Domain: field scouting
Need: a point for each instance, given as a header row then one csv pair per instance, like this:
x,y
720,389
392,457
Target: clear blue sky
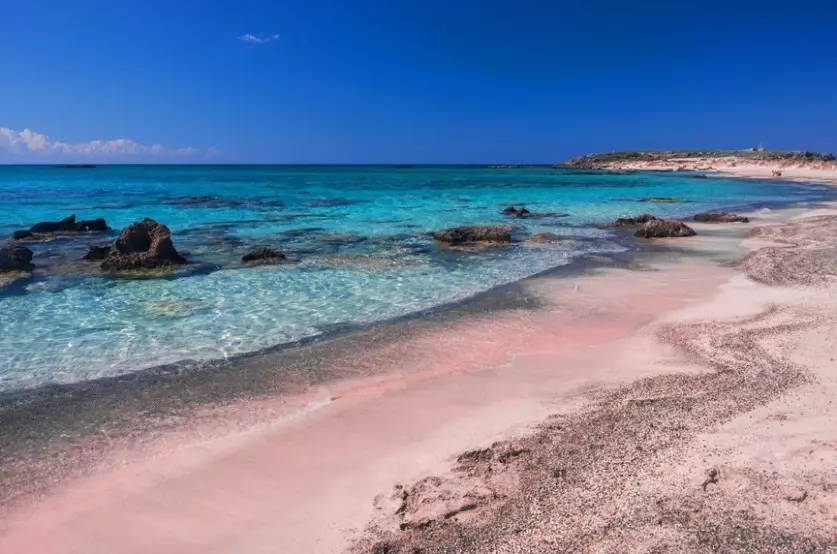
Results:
x,y
411,80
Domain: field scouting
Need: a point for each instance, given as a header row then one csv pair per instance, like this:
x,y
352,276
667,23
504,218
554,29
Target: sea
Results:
x,y
358,241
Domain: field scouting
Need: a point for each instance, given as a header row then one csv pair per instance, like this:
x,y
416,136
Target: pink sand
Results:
x,y
308,484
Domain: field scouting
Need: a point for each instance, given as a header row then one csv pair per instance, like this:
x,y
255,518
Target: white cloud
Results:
x,y
258,39
28,143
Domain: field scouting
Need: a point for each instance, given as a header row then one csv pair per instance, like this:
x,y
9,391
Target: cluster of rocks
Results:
x,y
147,244
143,245
67,226
653,227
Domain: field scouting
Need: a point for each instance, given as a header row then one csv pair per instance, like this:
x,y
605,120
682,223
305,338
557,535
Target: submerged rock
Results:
x,y
486,234
661,200
544,237
95,253
721,217
145,244
661,228
23,235
262,255
192,200
362,261
629,221
175,307
16,258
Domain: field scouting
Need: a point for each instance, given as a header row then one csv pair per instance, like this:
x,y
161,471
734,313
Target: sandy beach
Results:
x,y
739,167
675,404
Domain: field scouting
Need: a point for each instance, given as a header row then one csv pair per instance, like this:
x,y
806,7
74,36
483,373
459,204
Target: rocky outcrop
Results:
x,y
631,221
662,228
15,258
96,253
721,217
145,244
479,234
68,225
262,255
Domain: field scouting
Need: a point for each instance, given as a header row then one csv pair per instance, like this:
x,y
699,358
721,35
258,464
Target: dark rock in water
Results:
x,y
544,214
145,244
699,176
338,239
630,221
16,258
661,200
721,217
69,225
495,234
23,235
95,253
66,225
262,255
93,226
661,228
511,211
194,201
329,202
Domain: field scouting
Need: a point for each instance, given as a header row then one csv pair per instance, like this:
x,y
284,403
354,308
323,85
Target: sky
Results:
x,y
409,81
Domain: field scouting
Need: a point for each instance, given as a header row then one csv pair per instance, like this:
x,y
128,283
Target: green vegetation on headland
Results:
x,y
603,159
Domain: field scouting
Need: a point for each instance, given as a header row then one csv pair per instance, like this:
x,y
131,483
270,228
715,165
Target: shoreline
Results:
x,y
820,173
160,399
366,399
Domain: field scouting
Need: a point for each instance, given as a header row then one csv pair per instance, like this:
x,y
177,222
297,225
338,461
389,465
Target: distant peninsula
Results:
x,y
752,162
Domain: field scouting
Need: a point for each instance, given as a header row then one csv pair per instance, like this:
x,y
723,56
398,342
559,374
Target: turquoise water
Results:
x,y
357,239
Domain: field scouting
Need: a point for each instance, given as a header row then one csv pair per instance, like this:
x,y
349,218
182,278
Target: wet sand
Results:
x,y
647,380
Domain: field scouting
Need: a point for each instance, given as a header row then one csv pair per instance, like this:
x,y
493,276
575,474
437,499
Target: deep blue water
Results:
x,y
358,240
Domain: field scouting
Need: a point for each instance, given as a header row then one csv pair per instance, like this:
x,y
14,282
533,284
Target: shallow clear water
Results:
x,y
358,240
